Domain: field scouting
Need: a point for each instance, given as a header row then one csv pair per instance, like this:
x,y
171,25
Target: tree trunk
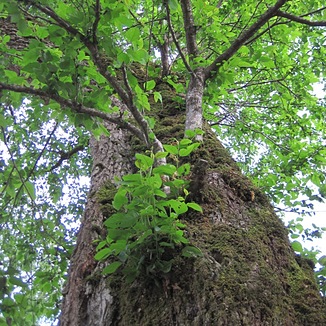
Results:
x,y
87,299
248,274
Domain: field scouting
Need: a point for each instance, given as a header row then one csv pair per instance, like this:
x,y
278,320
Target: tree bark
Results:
x,y
194,98
87,301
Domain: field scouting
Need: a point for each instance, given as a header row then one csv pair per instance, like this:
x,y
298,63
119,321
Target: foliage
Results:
x,y
65,63
38,219
145,233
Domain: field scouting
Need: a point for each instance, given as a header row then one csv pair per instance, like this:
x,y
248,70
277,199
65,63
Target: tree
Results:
x,y
172,233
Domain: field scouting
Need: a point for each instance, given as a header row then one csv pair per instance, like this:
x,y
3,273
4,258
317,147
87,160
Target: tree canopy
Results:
x,y
69,66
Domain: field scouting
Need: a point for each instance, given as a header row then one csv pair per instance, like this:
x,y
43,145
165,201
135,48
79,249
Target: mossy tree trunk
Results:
x,y
248,275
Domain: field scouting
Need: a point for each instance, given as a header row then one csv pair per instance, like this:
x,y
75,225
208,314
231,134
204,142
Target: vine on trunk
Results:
x,y
145,232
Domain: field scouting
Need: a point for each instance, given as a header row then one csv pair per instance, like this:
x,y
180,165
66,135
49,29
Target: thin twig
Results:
x,y
168,18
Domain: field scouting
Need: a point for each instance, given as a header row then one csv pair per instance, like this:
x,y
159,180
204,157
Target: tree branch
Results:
x,y
66,156
97,19
20,175
61,22
190,28
168,17
243,37
101,64
42,151
300,20
77,107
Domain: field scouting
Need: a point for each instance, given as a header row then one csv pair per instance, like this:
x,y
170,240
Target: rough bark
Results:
x,y
86,302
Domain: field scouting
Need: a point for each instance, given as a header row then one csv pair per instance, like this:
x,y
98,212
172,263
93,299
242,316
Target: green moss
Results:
x,y
104,196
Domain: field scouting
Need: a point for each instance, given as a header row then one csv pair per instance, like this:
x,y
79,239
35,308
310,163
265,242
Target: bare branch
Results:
x,y
42,151
243,37
255,83
190,28
66,156
300,20
97,19
168,17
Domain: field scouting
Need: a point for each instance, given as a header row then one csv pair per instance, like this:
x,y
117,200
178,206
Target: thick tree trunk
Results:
x,y
87,299
248,274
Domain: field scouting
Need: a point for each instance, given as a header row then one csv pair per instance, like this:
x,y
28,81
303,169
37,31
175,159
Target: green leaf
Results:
x,y
322,260
102,254
140,56
122,220
30,189
133,34
173,4
157,97
17,281
297,246
185,141
195,207
160,193
171,149
120,199
184,169
165,266
167,169
159,154
110,269
149,85
186,151
190,133
132,178
144,162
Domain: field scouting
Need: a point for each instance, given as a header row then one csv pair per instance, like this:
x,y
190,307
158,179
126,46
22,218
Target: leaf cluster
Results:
x,y
145,233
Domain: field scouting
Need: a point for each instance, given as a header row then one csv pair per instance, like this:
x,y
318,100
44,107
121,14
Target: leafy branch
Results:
x,y
75,106
243,37
101,64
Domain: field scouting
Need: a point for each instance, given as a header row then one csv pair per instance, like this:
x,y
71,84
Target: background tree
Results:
x,y
112,79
